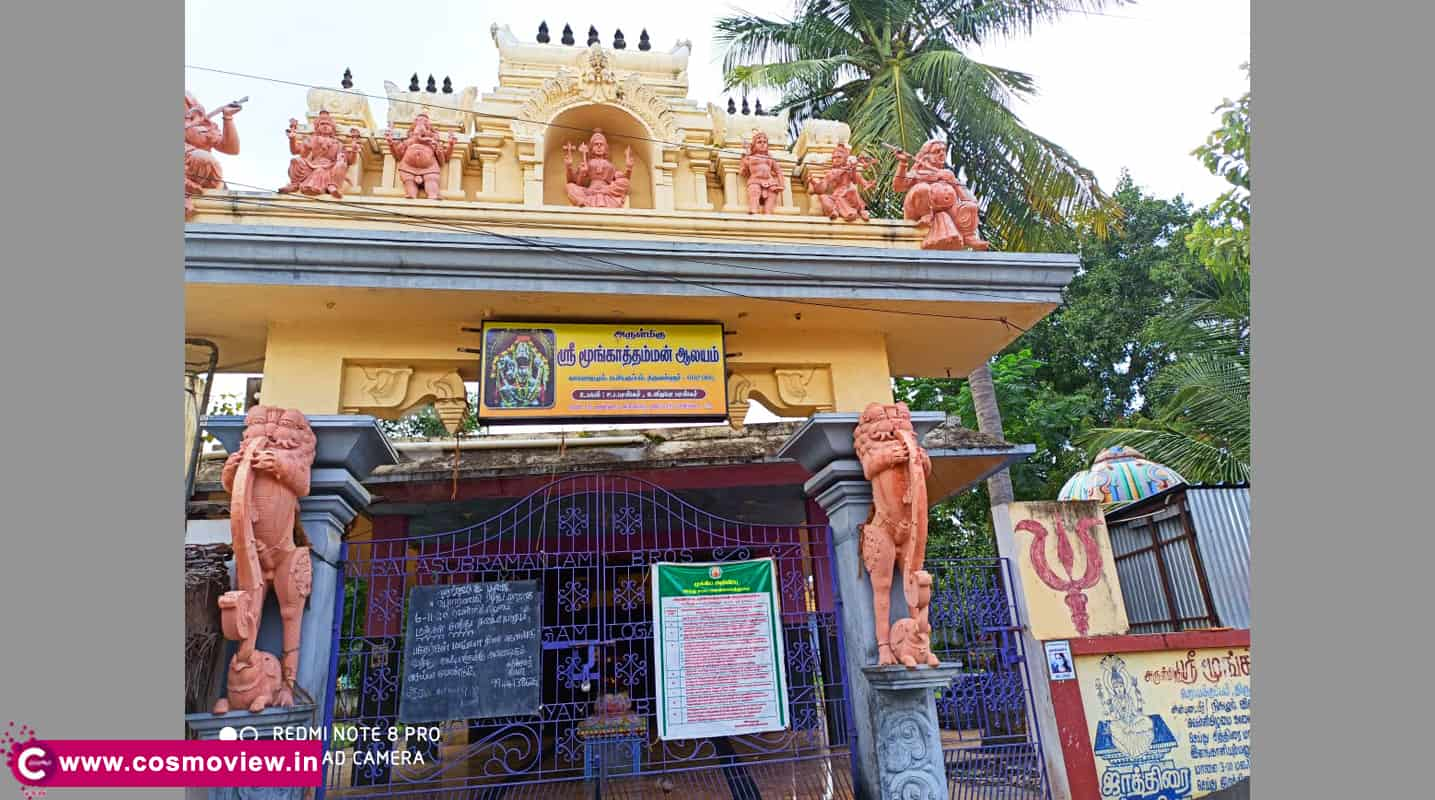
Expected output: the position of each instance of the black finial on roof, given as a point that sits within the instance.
(731, 106)
(757, 107)
(543, 32)
(447, 85)
(619, 43)
(348, 81)
(592, 35)
(643, 43)
(568, 34)
(414, 83)
(746, 109)
(432, 85)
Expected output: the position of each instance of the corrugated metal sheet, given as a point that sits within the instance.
(1222, 517)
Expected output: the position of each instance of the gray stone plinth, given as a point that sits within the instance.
(909, 739)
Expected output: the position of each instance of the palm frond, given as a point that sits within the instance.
(1197, 460)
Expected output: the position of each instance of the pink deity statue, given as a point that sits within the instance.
(594, 181)
(936, 198)
(763, 175)
(202, 138)
(894, 539)
(321, 161)
(421, 155)
(840, 190)
(265, 480)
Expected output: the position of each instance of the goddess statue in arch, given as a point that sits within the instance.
(594, 181)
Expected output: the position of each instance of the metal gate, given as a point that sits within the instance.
(589, 542)
(990, 747)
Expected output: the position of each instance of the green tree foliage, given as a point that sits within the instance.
(1222, 236)
(897, 73)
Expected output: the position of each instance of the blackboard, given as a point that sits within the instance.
(472, 651)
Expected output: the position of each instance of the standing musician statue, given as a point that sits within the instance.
(265, 480)
(894, 539)
(936, 198)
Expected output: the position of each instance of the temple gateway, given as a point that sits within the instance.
(703, 607)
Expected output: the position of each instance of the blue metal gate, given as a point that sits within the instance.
(589, 542)
(990, 747)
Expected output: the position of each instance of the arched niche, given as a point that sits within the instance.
(622, 131)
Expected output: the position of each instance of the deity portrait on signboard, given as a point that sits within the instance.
(518, 368)
(1135, 745)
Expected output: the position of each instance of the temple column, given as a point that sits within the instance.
(734, 192)
(347, 450)
(897, 745)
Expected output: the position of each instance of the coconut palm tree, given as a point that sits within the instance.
(895, 71)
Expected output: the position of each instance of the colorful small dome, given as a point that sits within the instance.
(1119, 475)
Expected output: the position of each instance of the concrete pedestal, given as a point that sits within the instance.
(348, 449)
(823, 445)
(909, 739)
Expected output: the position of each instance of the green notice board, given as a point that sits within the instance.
(719, 648)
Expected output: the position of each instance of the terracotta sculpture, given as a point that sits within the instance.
(840, 190)
(265, 479)
(763, 175)
(936, 198)
(202, 138)
(594, 181)
(421, 155)
(895, 536)
(321, 161)
(912, 636)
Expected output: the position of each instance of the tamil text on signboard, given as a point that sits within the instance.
(719, 649)
(569, 371)
(471, 651)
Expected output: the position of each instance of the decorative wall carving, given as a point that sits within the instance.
(909, 768)
(447, 112)
(596, 82)
(390, 391)
(788, 390)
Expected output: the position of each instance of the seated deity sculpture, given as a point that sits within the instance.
(934, 197)
(594, 181)
(421, 155)
(321, 161)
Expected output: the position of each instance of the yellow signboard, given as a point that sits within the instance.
(1168, 724)
(574, 372)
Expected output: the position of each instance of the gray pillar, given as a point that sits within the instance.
(348, 449)
(823, 445)
(909, 740)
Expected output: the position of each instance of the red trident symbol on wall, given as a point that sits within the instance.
(1074, 587)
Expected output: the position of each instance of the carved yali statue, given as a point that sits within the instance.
(840, 190)
(202, 138)
(896, 534)
(763, 175)
(937, 199)
(321, 161)
(265, 480)
(594, 181)
(421, 155)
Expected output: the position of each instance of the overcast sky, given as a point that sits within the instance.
(1133, 87)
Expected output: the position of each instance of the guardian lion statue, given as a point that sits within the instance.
(894, 539)
(265, 479)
